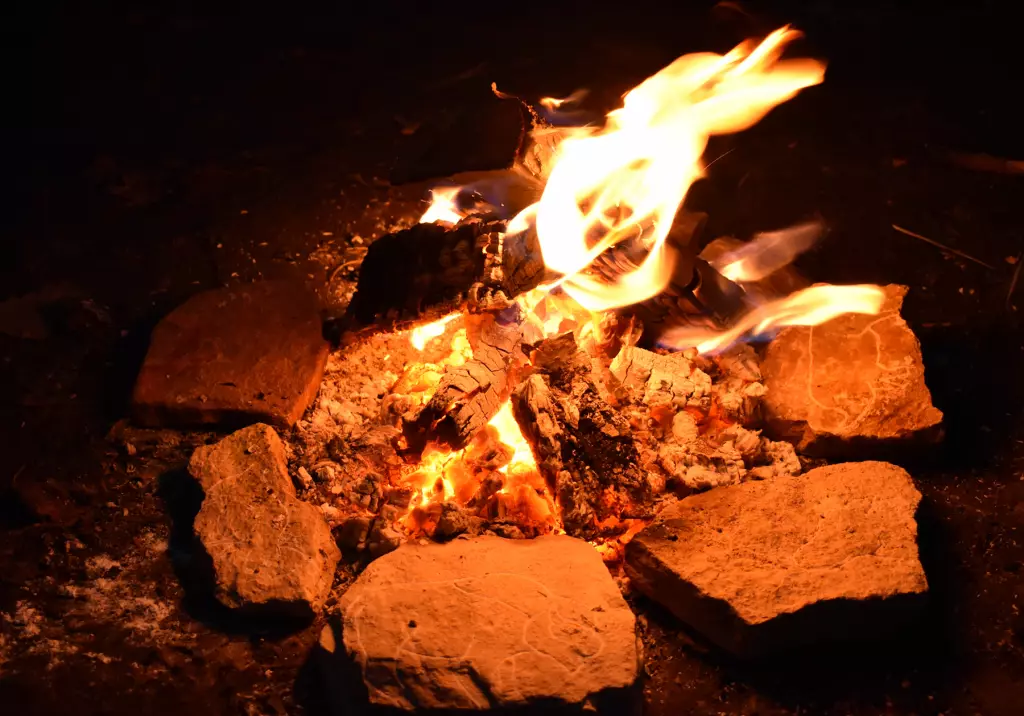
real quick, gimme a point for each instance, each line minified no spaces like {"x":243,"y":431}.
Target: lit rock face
{"x":784,"y":562}
{"x":851,"y":387}
{"x":271,"y":551}
{"x":239,"y":355}
{"x":488,"y":623}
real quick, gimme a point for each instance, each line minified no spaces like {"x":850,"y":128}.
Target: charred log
{"x":424,"y":273}
{"x":584,"y":448}
{"x":470,"y":394}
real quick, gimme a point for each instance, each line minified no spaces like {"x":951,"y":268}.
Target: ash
{"x":695,"y":420}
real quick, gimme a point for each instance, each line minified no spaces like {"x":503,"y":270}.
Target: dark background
{"x":136,"y":135}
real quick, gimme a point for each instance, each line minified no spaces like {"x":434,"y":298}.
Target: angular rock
{"x":851,"y":387}
{"x":762,"y":566}
{"x":487,"y":623}
{"x":271,"y":551}
{"x":245,"y":354}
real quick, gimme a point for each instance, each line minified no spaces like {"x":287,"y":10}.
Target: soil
{"x":158,"y":153}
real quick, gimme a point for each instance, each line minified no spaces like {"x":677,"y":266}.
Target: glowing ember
{"x":495,"y":476}
{"x":442,"y":206}
{"x":626,"y":181}
{"x":421,"y":335}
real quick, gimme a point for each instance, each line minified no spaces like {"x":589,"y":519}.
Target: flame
{"x":810,"y":307}
{"x":767,"y":253}
{"x":442,"y":206}
{"x":421,"y":335}
{"x":627,"y":180}
{"x":510,"y":434}
{"x":442,"y":475}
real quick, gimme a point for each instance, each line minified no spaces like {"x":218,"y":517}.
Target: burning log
{"x":470,"y":394}
{"x":584,"y":448}
{"x":428,"y":271}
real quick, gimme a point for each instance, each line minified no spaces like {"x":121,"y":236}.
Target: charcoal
{"x":584,"y":448}
{"x":426,"y":272}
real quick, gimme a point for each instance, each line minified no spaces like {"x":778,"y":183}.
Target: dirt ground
{"x":158,"y":153}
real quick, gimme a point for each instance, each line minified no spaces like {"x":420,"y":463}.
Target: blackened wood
{"x":470,"y":394}
{"x":424,"y":273}
{"x":584,"y":447}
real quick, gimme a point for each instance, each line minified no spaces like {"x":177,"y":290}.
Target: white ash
{"x":698,"y":417}
{"x":343,"y":451}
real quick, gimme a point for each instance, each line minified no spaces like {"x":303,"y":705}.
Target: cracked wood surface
{"x":583,"y":446}
{"x":849,"y":386}
{"x":489,"y":623}
{"x":781,"y":562}
{"x":469,"y":395}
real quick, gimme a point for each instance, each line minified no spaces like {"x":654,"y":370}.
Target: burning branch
{"x":470,"y":394}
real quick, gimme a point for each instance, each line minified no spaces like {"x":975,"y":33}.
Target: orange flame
{"x":767,"y":253}
{"x":421,"y":335}
{"x":628,"y":179}
{"x":442,"y":206}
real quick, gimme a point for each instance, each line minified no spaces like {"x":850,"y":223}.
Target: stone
{"x":488,"y":623}
{"x":271,"y":552}
{"x":240,"y":355}
{"x":785,"y":562}
{"x":851,"y":387}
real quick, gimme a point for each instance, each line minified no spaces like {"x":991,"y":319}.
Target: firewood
{"x":470,"y":394}
{"x":584,"y":447}
{"x":424,"y":273}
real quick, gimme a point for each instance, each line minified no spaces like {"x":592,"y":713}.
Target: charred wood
{"x":584,"y":448}
{"x":470,"y":394}
{"x":426,"y":272}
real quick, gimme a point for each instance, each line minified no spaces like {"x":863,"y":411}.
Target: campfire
{"x":531,"y":390}
{"x":575,"y":360}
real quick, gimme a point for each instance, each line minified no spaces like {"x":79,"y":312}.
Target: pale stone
{"x":486,"y":622}
{"x":787,"y":561}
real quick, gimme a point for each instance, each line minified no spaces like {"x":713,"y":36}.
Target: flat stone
{"x":851,"y":387}
{"x":489,"y":623}
{"x":785,"y":562}
{"x":245,"y":354}
{"x":271,"y":551}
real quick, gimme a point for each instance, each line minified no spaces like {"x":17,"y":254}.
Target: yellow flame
{"x":421,"y":335}
{"x":628,"y":179}
{"x":442,"y":206}
{"x":809,"y":307}
{"x":553,"y":103}
{"x":510,"y":434}
{"x":767,"y":253}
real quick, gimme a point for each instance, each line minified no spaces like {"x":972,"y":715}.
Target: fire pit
{"x":554,"y":422}
{"x":528,"y":379}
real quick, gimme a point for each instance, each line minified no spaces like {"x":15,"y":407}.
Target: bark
{"x":584,"y":447}
{"x":469,"y":395}
{"x":426,"y":272}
